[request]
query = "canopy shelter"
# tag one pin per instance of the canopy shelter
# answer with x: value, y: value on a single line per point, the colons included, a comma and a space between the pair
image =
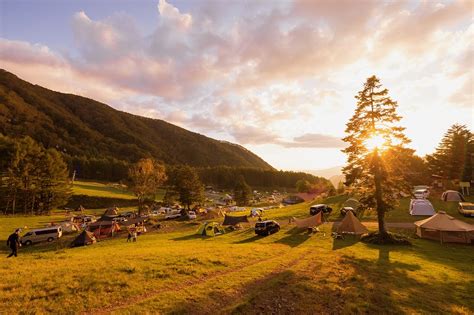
x: 85, y: 238
x: 452, y: 195
x: 310, y: 222
x: 421, y: 207
x: 210, y: 229
x: 352, y: 203
x: 351, y: 225
x: 234, y: 220
x: 103, y: 228
x: 445, y: 228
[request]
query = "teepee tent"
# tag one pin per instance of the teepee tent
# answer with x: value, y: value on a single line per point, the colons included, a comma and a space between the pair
x: 421, y: 207
x: 452, y: 195
x: 85, y: 238
x: 445, y: 228
x: 310, y: 222
x: 351, y: 225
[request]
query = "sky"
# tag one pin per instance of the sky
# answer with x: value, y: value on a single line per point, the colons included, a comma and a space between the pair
x: 278, y: 77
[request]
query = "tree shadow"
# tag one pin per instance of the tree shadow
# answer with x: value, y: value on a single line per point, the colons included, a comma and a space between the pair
x: 295, y: 237
x: 347, y: 241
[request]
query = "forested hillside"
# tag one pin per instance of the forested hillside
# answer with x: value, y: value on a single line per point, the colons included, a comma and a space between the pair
x: 99, y: 141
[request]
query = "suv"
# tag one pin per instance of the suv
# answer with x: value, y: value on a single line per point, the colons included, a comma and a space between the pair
x: 344, y: 211
x: 315, y: 209
x: 267, y: 227
x: 466, y: 209
x: 41, y: 235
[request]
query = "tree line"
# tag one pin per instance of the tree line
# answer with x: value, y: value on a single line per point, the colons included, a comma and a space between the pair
x: 33, y: 180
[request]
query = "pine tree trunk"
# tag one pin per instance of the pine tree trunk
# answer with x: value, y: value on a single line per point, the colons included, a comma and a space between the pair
x: 378, y: 195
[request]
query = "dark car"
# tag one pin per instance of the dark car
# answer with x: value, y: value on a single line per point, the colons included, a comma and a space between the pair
x: 315, y: 209
x: 344, y: 210
x: 267, y: 227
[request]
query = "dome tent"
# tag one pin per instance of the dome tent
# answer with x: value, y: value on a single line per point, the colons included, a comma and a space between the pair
x: 452, y: 195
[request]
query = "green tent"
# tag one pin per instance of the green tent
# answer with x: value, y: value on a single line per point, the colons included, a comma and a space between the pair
x: 352, y: 203
x: 210, y: 229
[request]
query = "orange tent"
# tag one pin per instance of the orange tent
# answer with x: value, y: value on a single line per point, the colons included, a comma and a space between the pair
x: 445, y: 228
x: 310, y: 222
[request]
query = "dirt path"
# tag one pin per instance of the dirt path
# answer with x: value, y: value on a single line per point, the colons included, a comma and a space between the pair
x: 402, y: 225
x: 186, y: 284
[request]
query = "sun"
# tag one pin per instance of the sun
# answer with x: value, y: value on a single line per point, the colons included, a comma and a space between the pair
x: 376, y: 141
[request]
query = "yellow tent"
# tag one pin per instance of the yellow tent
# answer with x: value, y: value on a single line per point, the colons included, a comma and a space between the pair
x: 351, y: 225
x: 210, y: 229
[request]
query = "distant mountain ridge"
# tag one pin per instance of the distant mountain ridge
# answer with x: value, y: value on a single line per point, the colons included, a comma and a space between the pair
x: 82, y: 127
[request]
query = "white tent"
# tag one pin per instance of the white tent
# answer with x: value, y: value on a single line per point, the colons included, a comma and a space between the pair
x: 452, y: 195
x: 421, y: 207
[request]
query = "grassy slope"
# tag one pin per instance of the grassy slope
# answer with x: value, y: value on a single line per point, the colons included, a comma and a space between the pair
x: 289, y: 272
x: 96, y: 189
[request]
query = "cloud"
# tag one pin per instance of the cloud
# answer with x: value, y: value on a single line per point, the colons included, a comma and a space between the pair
x: 314, y: 140
x: 172, y: 14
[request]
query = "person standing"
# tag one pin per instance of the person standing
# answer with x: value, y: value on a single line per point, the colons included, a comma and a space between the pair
x: 14, y: 242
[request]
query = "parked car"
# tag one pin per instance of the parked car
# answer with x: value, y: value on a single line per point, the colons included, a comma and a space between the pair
x: 344, y: 210
x: 264, y: 228
x: 466, y: 209
x: 42, y: 235
x: 192, y: 215
x: 173, y: 215
x: 315, y: 209
x: 421, y: 193
x: 84, y: 219
x: 120, y: 219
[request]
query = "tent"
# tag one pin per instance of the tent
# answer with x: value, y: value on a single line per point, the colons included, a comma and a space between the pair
x: 352, y: 203
x: 210, y: 229
x: 214, y: 214
x: 421, y: 207
x: 69, y: 227
x: 452, y: 195
x: 85, y: 238
x: 111, y: 211
x: 351, y: 225
x: 310, y: 222
x: 445, y: 228
x: 234, y: 220
x: 80, y: 208
x: 103, y: 228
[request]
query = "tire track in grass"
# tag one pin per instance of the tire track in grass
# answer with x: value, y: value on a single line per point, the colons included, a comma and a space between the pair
x: 190, y: 283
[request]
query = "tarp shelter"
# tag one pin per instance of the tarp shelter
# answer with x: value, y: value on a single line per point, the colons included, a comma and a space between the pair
x: 210, y: 229
x: 452, y: 195
x: 421, y: 207
x: 85, y: 238
x: 103, y: 228
x: 310, y: 222
x: 352, y: 203
x: 351, y: 225
x: 234, y: 220
x: 444, y: 228
x: 111, y: 211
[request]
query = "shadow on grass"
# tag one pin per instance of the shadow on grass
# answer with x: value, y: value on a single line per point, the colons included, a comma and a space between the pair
x: 348, y: 240
x: 347, y: 285
x: 295, y: 236
x: 249, y: 240
x: 190, y: 237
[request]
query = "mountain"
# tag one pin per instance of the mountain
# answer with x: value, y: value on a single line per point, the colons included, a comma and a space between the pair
x: 326, y: 173
x: 82, y: 127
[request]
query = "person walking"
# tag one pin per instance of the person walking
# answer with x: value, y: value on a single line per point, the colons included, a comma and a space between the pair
x: 14, y: 242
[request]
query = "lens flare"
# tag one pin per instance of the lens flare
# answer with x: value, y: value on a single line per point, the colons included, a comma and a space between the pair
x: 376, y: 141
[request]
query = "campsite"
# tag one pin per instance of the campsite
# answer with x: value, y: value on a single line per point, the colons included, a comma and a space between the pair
x: 236, y: 157
x: 177, y: 269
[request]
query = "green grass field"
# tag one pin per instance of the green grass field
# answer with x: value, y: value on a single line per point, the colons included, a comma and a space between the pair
x: 96, y: 189
x: 173, y: 271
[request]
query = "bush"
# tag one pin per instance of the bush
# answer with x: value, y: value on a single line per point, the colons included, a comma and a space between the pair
x: 387, y: 239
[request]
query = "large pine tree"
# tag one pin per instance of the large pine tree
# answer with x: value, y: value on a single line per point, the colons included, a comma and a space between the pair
x: 372, y: 132
x: 453, y: 157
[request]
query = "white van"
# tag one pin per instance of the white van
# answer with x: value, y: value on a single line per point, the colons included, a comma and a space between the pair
x: 42, y: 235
